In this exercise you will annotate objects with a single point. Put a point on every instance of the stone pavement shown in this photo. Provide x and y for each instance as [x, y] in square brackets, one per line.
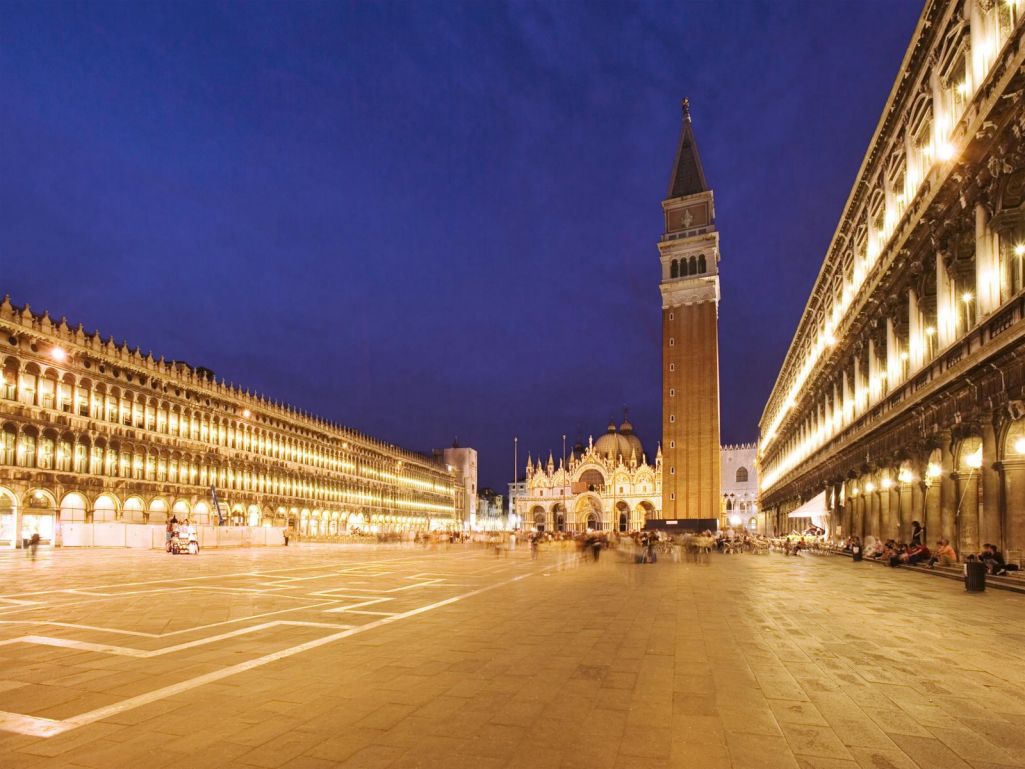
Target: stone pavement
[317, 656]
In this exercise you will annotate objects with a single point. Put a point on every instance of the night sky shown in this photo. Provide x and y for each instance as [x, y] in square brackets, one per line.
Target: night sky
[430, 219]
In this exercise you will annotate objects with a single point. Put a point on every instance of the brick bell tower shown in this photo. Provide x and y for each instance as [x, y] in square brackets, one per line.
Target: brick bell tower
[689, 251]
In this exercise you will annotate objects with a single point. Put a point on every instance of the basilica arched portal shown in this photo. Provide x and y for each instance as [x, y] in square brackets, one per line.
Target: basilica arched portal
[588, 513]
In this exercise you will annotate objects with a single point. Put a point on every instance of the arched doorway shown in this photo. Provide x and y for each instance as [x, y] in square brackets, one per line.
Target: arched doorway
[622, 516]
[201, 514]
[645, 512]
[538, 516]
[72, 508]
[39, 516]
[133, 510]
[157, 511]
[559, 517]
[588, 513]
[8, 514]
[105, 508]
[180, 510]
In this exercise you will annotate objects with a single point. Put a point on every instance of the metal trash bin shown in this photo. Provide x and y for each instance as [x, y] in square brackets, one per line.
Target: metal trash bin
[975, 576]
[856, 553]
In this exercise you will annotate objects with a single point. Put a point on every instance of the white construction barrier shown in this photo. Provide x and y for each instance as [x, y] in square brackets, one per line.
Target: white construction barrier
[152, 536]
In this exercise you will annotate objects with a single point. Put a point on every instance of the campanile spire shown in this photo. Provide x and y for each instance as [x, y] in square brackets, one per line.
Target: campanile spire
[688, 175]
[689, 256]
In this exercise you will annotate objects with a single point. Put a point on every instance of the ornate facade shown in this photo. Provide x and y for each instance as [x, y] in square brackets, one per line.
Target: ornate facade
[689, 254]
[739, 486]
[93, 431]
[903, 393]
[606, 486]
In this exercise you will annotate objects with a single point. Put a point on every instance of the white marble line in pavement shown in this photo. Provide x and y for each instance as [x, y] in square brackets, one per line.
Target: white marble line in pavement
[192, 629]
[48, 727]
[173, 579]
[128, 651]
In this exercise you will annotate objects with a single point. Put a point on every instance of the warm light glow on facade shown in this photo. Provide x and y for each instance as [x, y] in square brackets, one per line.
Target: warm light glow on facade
[974, 460]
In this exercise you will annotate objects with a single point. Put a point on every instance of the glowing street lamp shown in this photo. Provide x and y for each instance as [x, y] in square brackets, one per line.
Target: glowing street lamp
[59, 354]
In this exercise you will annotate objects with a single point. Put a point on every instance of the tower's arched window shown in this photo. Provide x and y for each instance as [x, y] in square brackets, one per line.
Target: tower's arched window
[674, 269]
[741, 475]
[693, 269]
[702, 264]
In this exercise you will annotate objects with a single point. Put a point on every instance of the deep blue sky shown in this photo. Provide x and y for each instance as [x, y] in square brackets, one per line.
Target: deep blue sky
[428, 219]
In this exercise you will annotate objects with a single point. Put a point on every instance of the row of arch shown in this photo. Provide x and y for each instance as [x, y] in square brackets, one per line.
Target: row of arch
[44, 511]
[30, 447]
[681, 268]
[589, 515]
[970, 491]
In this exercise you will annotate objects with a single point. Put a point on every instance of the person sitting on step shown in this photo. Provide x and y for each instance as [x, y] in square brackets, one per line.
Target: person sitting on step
[944, 554]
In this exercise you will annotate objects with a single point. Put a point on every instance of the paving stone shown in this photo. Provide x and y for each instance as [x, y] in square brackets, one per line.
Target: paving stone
[597, 666]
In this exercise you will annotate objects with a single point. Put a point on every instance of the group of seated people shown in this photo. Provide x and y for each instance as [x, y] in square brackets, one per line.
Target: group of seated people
[994, 560]
[895, 553]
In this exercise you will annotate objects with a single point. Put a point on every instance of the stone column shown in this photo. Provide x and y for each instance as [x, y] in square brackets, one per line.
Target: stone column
[991, 509]
[875, 511]
[967, 482]
[885, 510]
[917, 503]
[902, 531]
[858, 524]
[847, 513]
[1014, 501]
[835, 512]
[948, 491]
[875, 525]
[932, 523]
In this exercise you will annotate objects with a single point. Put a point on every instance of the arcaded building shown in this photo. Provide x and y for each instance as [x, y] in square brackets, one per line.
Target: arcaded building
[901, 397]
[94, 432]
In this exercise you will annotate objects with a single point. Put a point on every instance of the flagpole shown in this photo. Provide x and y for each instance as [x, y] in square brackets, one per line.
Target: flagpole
[516, 468]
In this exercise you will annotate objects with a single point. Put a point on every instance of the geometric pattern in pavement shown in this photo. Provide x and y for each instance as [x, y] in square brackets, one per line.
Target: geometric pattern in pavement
[321, 657]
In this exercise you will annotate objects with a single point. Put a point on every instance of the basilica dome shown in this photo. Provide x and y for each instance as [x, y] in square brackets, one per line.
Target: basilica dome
[626, 430]
[622, 443]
